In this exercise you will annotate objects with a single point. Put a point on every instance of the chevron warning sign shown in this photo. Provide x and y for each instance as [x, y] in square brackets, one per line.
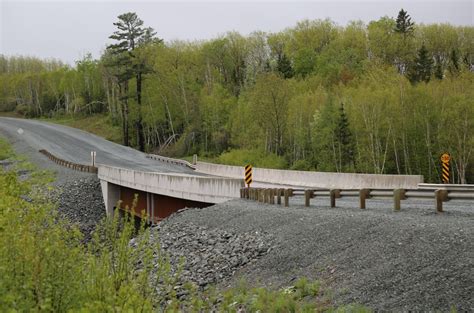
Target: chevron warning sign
[248, 174]
[445, 158]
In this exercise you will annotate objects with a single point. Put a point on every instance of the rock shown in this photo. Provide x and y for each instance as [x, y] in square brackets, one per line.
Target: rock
[211, 255]
[80, 202]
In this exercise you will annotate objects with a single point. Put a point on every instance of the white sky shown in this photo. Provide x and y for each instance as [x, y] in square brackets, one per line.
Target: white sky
[67, 30]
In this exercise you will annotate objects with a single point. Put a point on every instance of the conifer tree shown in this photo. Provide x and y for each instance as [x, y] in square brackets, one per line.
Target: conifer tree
[130, 36]
[454, 62]
[344, 139]
[284, 66]
[422, 67]
[404, 25]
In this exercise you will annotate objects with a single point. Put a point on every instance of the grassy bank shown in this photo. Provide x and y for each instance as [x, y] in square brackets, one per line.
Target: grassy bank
[98, 124]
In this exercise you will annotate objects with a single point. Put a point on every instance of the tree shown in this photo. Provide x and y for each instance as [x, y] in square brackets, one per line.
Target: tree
[404, 25]
[454, 62]
[284, 66]
[130, 36]
[422, 68]
[269, 100]
[344, 140]
[438, 73]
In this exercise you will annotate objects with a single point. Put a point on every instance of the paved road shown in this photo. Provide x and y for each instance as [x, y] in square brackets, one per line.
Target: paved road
[76, 145]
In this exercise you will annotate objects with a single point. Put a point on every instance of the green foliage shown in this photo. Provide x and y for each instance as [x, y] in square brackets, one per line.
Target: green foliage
[98, 124]
[257, 158]
[284, 66]
[271, 93]
[421, 69]
[5, 150]
[45, 267]
[345, 144]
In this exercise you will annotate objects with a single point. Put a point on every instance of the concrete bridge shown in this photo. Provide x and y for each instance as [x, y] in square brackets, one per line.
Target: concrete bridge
[161, 185]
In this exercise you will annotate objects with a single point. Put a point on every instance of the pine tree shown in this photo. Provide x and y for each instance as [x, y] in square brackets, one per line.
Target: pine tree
[422, 67]
[130, 36]
[284, 66]
[344, 139]
[404, 25]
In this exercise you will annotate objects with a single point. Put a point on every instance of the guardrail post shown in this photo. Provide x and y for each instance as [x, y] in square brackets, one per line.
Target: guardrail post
[272, 196]
[334, 194]
[363, 195]
[398, 195]
[441, 195]
[279, 194]
[308, 194]
[286, 194]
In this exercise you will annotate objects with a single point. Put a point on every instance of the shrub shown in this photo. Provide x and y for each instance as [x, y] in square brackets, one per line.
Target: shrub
[257, 158]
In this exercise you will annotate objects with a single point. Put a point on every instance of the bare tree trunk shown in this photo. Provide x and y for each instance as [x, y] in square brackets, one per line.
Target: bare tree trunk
[140, 135]
[123, 91]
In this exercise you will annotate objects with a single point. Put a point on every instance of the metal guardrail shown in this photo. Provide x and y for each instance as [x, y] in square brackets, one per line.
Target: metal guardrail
[440, 195]
[461, 187]
[68, 164]
[170, 160]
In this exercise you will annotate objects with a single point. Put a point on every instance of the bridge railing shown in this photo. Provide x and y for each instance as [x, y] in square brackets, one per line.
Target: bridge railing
[171, 160]
[68, 164]
[282, 196]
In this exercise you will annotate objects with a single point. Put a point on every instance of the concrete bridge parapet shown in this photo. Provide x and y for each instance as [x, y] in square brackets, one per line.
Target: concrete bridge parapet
[314, 179]
[157, 189]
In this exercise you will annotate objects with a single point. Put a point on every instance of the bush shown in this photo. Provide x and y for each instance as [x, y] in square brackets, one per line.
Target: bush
[257, 158]
[302, 165]
[24, 110]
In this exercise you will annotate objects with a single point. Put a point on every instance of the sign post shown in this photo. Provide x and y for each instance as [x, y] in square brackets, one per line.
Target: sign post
[445, 158]
[93, 155]
[248, 175]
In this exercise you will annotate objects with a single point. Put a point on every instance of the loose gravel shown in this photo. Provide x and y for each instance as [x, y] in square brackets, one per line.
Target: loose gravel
[80, 202]
[413, 260]
[210, 255]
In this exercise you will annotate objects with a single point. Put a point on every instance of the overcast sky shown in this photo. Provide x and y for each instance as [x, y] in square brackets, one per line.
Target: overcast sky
[67, 30]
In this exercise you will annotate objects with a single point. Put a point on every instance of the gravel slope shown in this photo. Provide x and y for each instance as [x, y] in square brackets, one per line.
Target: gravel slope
[411, 260]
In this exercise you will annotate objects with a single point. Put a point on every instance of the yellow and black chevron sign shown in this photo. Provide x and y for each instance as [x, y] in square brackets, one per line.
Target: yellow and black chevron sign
[445, 158]
[248, 174]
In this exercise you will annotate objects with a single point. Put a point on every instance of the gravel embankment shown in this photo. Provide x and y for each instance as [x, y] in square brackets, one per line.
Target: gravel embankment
[80, 202]
[411, 260]
[210, 255]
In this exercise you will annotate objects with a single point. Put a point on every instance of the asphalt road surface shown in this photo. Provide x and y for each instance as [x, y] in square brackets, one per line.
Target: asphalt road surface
[75, 145]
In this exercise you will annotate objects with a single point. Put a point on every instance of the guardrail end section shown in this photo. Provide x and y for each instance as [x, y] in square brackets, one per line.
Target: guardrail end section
[363, 195]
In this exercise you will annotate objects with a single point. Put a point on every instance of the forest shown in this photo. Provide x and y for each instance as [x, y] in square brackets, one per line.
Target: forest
[389, 96]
